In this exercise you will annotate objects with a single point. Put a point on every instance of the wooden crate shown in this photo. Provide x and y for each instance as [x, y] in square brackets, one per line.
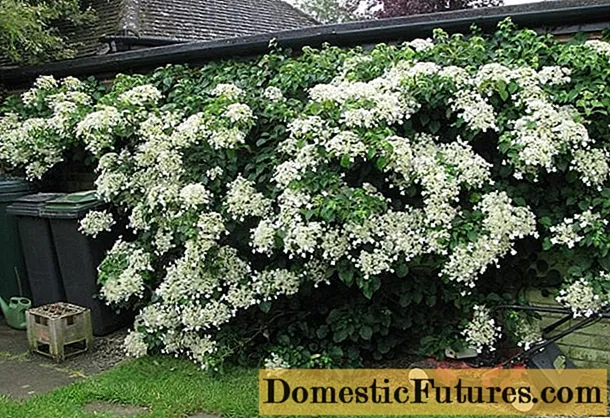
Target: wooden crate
[59, 330]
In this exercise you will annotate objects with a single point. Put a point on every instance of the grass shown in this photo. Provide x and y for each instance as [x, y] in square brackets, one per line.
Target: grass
[169, 388]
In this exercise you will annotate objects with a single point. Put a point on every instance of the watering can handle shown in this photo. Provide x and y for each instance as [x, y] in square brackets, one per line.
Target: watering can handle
[18, 280]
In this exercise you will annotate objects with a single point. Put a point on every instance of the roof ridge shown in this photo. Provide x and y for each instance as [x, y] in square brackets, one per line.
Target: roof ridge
[129, 20]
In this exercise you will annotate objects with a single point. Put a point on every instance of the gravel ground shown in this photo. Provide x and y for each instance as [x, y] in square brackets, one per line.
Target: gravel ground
[106, 352]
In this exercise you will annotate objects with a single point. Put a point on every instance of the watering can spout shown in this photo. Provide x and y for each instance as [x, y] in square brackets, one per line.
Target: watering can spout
[14, 311]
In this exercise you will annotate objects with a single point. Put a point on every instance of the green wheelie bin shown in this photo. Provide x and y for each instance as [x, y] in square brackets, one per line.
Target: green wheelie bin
[13, 274]
[79, 256]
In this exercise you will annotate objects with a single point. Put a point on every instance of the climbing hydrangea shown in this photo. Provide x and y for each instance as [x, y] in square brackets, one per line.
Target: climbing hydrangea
[245, 185]
[95, 222]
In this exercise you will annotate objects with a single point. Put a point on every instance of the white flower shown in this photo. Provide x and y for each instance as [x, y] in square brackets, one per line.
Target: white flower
[421, 44]
[503, 224]
[554, 75]
[482, 331]
[191, 131]
[135, 344]
[474, 110]
[120, 289]
[71, 83]
[569, 231]
[137, 218]
[263, 237]
[95, 222]
[163, 241]
[97, 129]
[582, 299]
[302, 238]
[229, 91]
[227, 138]
[211, 226]
[109, 184]
[141, 96]
[593, 165]
[214, 173]
[125, 278]
[239, 112]
[270, 284]
[346, 143]
[528, 333]
[601, 47]
[273, 94]
[275, 361]
[194, 195]
[46, 82]
[243, 200]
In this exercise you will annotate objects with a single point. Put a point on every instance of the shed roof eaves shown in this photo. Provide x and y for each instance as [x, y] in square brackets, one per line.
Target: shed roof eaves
[345, 34]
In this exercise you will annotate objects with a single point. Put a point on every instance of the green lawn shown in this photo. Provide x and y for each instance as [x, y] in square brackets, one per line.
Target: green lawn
[170, 388]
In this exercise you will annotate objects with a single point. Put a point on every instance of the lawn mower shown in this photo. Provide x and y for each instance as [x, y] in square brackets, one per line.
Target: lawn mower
[544, 355]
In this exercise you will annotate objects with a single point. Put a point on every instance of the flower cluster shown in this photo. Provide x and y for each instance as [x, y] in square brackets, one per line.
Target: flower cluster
[570, 231]
[601, 47]
[39, 143]
[528, 332]
[275, 361]
[243, 200]
[95, 222]
[592, 164]
[135, 345]
[482, 331]
[98, 129]
[582, 299]
[503, 223]
[133, 266]
[141, 96]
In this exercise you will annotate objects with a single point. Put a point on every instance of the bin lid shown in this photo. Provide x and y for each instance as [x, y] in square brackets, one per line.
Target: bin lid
[14, 185]
[72, 206]
[31, 205]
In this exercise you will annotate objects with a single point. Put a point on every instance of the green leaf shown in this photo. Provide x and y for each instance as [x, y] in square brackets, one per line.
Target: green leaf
[366, 332]
[345, 161]
[402, 270]
[346, 274]
[382, 162]
[340, 336]
[322, 332]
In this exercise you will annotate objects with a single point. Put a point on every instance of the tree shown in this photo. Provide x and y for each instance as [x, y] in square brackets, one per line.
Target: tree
[327, 11]
[33, 31]
[394, 8]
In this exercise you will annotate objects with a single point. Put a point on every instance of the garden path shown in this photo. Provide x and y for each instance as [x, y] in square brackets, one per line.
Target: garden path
[23, 375]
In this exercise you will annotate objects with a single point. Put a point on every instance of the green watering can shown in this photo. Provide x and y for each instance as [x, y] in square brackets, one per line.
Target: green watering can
[14, 311]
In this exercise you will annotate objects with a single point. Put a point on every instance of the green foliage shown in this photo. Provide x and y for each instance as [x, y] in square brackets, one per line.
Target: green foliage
[34, 31]
[415, 302]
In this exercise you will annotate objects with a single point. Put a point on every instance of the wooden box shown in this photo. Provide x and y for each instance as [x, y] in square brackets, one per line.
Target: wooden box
[59, 330]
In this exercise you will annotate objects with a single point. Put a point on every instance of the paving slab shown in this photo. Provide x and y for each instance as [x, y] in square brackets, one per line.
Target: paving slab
[25, 374]
[204, 416]
[117, 410]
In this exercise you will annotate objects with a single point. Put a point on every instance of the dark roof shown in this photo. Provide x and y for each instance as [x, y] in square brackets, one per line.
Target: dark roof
[558, 17]
[147, 23]
[206, 20]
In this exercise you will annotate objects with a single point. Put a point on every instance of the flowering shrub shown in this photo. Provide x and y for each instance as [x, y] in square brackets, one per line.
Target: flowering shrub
[311, 210]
